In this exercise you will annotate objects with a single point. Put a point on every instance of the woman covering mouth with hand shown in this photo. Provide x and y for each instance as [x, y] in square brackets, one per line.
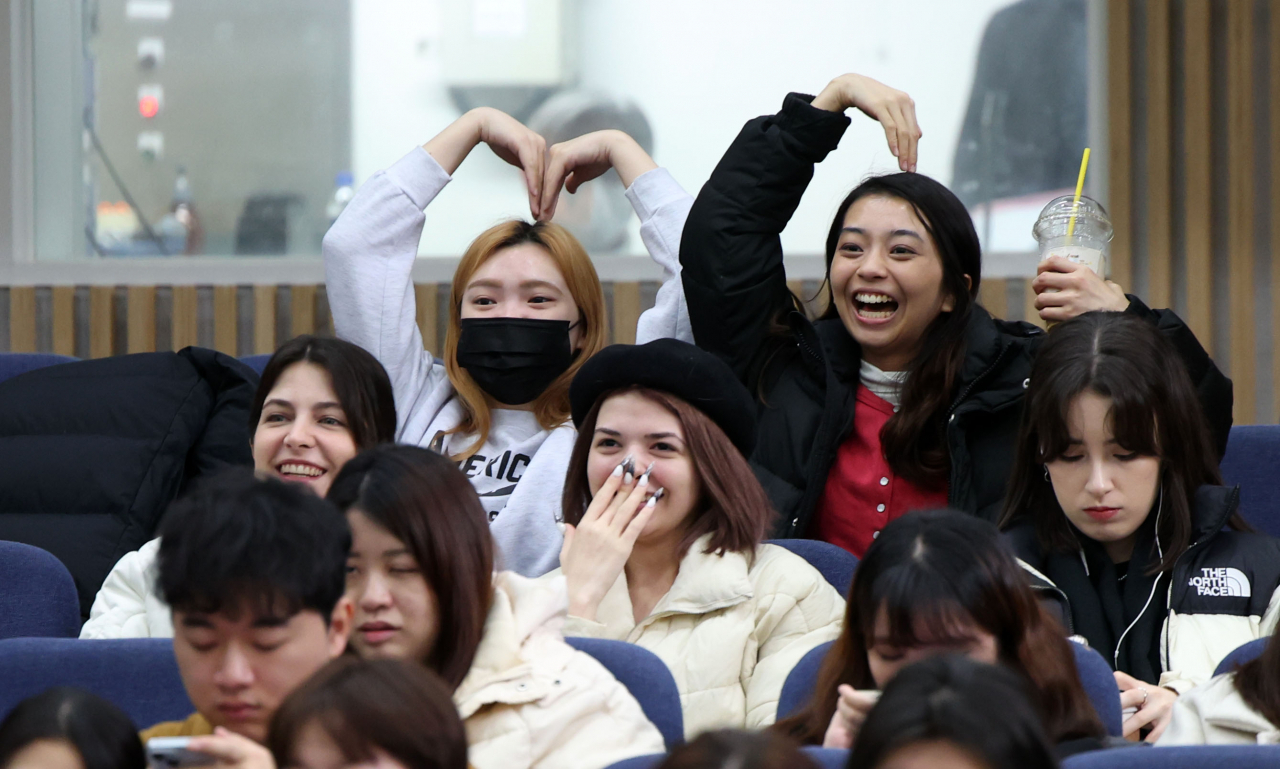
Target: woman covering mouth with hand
[664, 544]
[905, 394]
[319, 401]
[1117, 507]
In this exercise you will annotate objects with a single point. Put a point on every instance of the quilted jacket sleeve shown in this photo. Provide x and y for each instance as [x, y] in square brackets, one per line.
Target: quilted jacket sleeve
[120, 608]
[804, 611]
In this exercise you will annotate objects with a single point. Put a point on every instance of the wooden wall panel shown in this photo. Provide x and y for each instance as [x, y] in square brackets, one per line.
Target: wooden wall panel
[426, 300]
[993, 294]
[225, 321]
[22, 319]
[1159, 145]
[626, 312]
[1197, 154]
[303, 310]
[185, 317]
[102, 321]
[1273, 148]
[142, 319]
[264, 320]
[64, 320]
[1240, 197]
[1120, 130]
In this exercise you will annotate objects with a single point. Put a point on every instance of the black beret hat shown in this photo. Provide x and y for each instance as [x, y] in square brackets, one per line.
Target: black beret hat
[693, 375]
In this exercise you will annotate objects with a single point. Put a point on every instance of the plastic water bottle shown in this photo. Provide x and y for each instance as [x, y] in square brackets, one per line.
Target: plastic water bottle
[342, 194]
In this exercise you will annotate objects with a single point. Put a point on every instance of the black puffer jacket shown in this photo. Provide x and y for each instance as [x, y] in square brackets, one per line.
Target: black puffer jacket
[92, 452]
[736, 289]
[1179, 624]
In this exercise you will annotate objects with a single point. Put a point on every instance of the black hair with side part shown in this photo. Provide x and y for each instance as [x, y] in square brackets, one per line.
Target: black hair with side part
[99, 731]
[358, 379]
[984, 710]
[914, 438]
[259, 543]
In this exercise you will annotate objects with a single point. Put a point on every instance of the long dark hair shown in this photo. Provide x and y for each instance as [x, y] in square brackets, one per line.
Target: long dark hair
[985, 710]
[426, 502]
[914, 439]
[359, 381]
[1154, 412]
[933, 572]
[1258, 680]
[734, 509]
[100, 732]
[395, 706]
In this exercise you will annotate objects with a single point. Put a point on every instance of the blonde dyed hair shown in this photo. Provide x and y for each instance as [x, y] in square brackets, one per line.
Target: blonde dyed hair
[551, 407]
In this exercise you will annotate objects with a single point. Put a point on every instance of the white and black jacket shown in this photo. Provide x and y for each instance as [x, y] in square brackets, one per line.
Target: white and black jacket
[1221, 593]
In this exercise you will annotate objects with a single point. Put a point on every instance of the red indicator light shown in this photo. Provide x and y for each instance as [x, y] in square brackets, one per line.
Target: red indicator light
[148, 106]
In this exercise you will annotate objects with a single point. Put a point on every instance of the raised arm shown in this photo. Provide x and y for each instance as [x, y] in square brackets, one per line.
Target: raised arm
[660, 202]
[731, 252]
[370, 251]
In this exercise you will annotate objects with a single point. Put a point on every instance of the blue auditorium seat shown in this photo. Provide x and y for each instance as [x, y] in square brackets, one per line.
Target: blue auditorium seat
[647, 678]
[256, 362]
[37, 594]
[835, 563]
[1253, 455]
[139, 675]
[15, 363]
[1242, 654]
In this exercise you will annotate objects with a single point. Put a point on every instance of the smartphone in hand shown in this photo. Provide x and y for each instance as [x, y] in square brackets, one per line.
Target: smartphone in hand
[171, 752]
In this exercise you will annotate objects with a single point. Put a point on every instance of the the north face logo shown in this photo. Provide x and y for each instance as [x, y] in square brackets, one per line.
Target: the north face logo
[1222, 582]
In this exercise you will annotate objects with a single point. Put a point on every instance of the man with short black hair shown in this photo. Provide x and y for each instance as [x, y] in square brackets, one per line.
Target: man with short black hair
[254, 571]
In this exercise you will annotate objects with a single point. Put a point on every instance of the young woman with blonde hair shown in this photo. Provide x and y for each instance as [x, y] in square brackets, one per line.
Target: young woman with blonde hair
[526, 309]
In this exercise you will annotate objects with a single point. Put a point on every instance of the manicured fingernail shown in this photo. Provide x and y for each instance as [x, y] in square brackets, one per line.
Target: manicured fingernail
[652, 503]
[658, 495]
[629, 464]
[644, 478]
[628, 478]
[617, 471]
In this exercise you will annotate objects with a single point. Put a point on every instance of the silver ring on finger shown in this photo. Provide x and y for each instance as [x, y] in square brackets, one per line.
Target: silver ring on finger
[1145, 695]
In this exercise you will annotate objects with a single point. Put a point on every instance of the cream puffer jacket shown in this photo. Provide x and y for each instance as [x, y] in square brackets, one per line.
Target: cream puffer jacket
[729, 630]
[127, 605]
[531, 701]
[1214, 713]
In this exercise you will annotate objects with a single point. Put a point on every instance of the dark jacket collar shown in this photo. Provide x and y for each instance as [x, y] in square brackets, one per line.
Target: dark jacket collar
[1212, 507]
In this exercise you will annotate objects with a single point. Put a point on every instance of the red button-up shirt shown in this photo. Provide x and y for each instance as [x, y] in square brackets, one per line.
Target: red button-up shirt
[862, 493]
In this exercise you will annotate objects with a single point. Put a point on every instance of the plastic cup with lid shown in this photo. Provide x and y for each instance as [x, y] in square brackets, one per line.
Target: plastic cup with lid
[1089, 242]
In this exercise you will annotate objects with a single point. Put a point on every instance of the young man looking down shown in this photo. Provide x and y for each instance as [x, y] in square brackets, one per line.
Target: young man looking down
[254, 571]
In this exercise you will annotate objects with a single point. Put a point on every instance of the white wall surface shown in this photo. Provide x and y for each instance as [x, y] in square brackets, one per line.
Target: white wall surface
[699, 69]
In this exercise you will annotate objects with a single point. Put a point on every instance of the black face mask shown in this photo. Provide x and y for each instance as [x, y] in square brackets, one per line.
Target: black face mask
[514, 359]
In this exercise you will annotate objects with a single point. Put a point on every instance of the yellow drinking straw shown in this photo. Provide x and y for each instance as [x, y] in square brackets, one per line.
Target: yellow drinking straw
[1075, 203]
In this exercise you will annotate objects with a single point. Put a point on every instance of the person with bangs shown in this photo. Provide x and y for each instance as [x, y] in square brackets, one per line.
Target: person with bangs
[526, 309]
[319, 401]
[664, 540]
[937, 582]
[905, 393]
[421, 579]
[1117, 508]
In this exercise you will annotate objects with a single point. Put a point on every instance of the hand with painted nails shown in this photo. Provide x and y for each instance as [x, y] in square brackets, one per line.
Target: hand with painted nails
[892, 108]
[596, 550]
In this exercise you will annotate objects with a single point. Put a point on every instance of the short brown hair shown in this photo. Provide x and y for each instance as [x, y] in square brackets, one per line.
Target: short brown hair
[364, 706]
[734, 508]
[426, 502]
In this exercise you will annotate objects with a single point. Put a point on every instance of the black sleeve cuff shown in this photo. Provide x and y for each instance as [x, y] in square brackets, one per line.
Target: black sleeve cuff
[818, 130]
